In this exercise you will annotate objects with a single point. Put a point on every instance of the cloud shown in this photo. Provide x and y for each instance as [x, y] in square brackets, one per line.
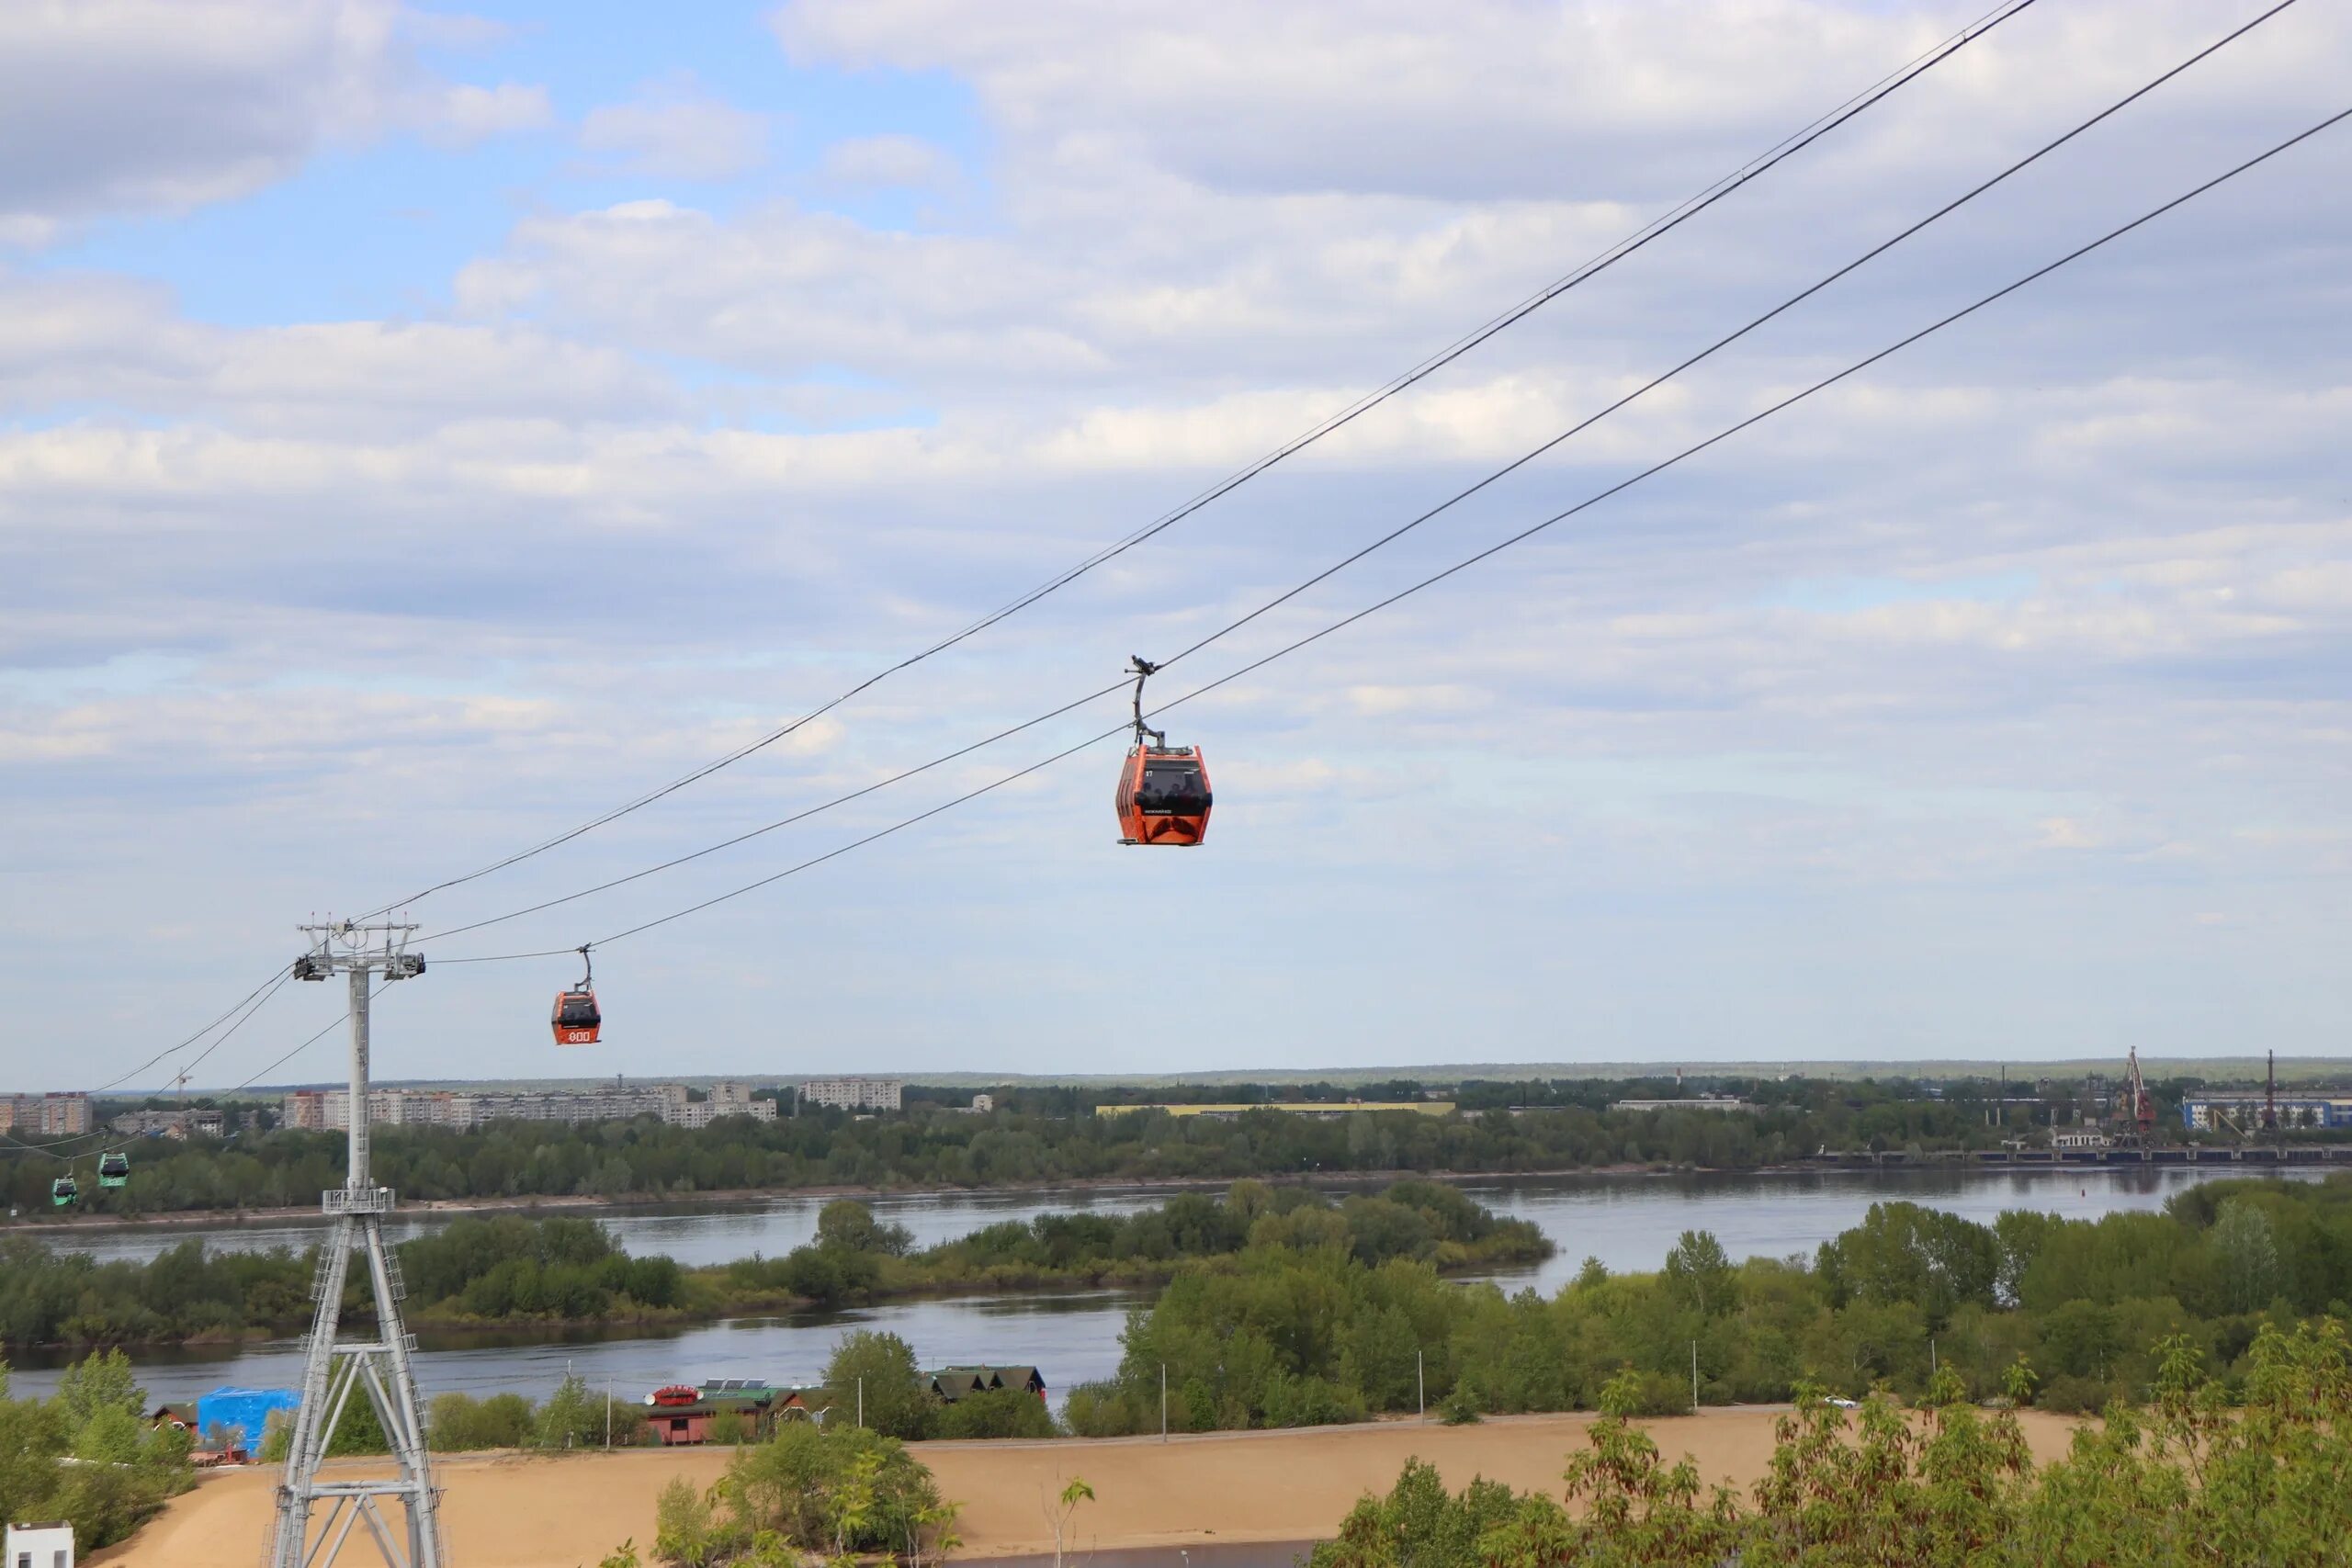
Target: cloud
[161, 106]
[314, 602]
[902, 161]
[674, 130]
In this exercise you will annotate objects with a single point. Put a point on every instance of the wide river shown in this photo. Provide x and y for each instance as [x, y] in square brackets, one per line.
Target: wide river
[1627, 1221]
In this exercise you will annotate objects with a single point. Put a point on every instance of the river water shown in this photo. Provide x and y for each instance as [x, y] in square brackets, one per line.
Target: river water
[1627, 1221]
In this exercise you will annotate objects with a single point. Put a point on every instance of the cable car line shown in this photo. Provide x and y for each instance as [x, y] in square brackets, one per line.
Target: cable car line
[313, 1040]
[1674, 218]
[1133, 820]
[1522, 536]
[782, 822]
[1692, 207]
[276, 976]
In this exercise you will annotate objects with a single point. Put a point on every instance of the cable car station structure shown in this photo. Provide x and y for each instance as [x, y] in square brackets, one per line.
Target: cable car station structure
[378, 1368]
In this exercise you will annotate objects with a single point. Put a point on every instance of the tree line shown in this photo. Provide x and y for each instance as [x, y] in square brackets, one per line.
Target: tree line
[86, 1456]
[2204, 1471]
[1305, 1334]
[1570, 1128]
[506, 1268]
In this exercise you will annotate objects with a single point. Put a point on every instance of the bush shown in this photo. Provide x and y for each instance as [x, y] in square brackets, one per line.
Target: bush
[994, 1413]
[459, 1423]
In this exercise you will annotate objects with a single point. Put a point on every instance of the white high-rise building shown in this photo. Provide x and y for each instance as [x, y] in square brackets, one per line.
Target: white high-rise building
[726, 1100]
[855, 1094]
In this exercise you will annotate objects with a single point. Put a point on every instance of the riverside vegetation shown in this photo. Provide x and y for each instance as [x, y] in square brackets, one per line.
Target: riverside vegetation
[1047, 1139]
[120, 1472]
[1299, 1331]
[505, 1269]
[2258, 1469]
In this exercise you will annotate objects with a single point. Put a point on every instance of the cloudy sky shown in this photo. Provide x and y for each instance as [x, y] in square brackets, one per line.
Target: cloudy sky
[421, 432]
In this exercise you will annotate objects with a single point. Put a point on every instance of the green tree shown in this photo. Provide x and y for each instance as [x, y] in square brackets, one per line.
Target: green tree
[876, 1374]
[851, 1225]
[1699, 1274]
[2245, 1255]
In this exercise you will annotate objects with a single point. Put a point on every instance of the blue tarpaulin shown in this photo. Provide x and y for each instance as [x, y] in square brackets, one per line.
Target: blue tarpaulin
[246, 1409]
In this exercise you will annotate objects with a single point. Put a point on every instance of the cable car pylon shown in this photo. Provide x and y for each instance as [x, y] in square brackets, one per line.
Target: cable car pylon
[380, 1367]
[1163, 790]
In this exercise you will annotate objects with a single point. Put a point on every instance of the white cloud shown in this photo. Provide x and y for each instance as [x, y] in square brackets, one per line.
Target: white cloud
[674, 130]
[300, 600]
[143, 106]
[903, 161]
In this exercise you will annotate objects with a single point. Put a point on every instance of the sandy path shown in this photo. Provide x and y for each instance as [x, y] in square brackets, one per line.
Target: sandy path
[508, 1511]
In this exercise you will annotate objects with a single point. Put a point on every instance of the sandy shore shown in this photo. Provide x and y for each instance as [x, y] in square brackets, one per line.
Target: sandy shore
[510, 1511]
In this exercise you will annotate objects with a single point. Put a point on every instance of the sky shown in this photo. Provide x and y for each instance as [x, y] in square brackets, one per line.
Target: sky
[424, 430]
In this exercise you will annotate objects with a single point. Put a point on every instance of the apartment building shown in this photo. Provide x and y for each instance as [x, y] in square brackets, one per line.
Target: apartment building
[53, 1115]
[181, 1124]
[726, 1100]
[855, 1094]
[329, 1110]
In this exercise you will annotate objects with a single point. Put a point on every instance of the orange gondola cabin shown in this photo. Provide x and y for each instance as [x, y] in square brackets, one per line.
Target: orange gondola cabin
[1163, 790]
[1164, 796]
[575, 1018]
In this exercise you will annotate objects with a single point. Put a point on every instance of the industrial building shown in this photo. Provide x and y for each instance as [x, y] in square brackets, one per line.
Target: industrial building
[1700, 1102]
[855, 1094]
[1325, 1110]
[2217, 1112]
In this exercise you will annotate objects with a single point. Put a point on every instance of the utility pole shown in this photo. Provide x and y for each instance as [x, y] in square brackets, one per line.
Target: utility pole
[860, 1402]
[1420, 1388]
[609, 1412]
[1163, 1402]
[330, 1372]
[1694, 1377]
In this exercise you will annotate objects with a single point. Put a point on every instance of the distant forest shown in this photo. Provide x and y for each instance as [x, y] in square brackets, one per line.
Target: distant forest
[1042, 1136]
[1045, 1136]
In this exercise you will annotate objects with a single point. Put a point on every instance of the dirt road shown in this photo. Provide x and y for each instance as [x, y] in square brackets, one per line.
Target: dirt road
[512, 1511]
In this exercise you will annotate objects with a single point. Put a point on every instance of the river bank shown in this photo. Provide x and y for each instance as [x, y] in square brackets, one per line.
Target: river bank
[1216, 1488]
[1627, 1222]
[41, 1225]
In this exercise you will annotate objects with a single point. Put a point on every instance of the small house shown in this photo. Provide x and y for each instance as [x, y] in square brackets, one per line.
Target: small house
[38, 1546]
[179, 1417]
[951, 1383]
[681, 1414]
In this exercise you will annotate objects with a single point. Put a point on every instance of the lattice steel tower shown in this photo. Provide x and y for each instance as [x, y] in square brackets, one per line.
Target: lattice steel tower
[332, 1371]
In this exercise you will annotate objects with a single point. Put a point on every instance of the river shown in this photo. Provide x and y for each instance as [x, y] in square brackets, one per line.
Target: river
[1627, 1221]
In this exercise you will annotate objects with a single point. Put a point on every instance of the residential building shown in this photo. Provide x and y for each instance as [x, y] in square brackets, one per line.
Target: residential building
[855, 1094]
[726, 1100]
[329, 1110]
[982, 1104]
[181, 1124]
[62, 1114]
